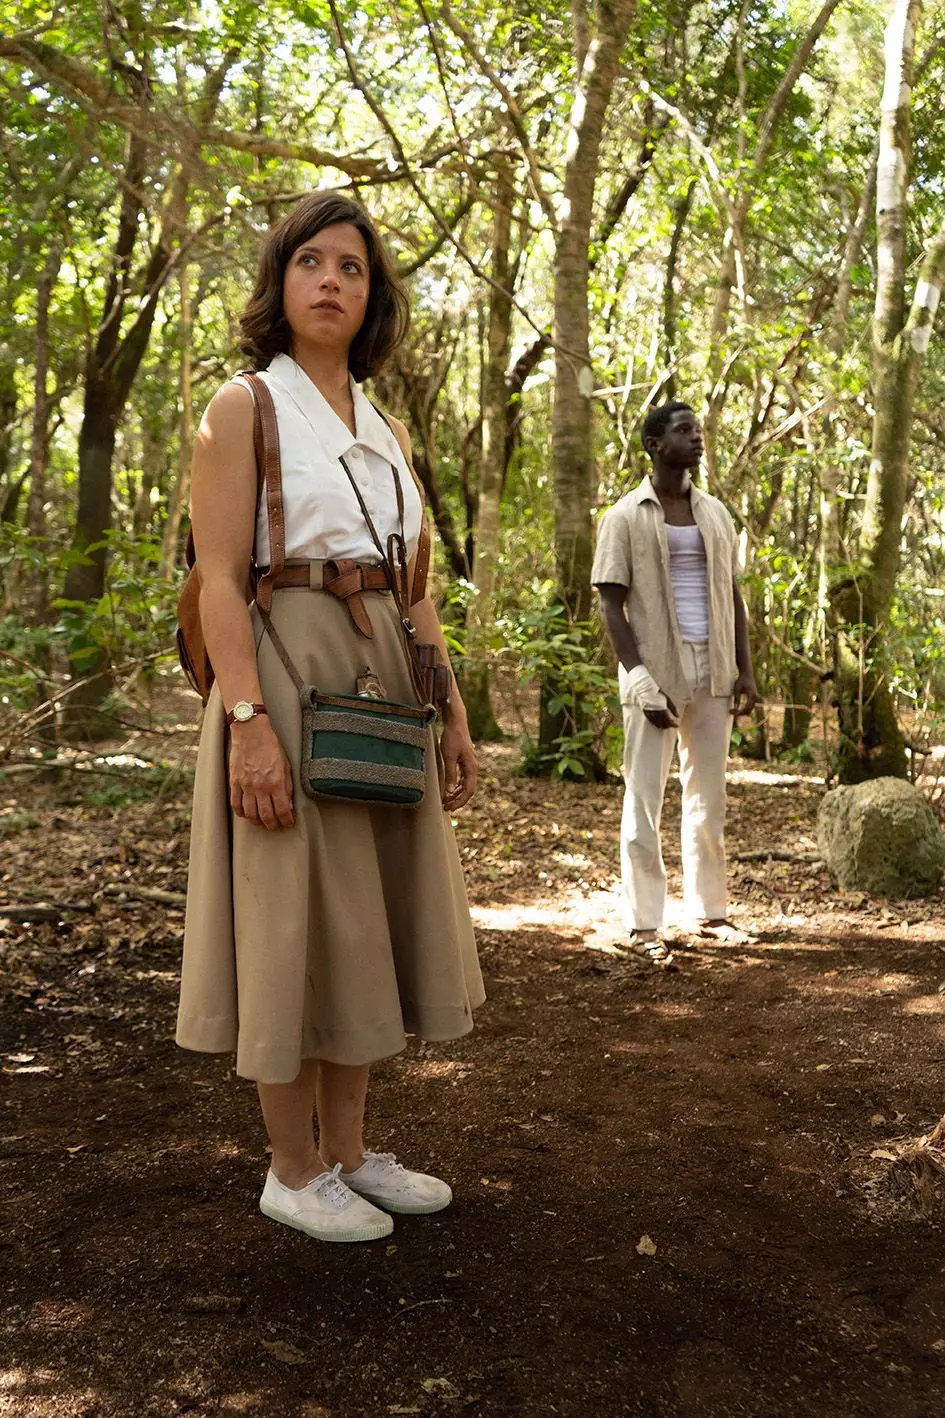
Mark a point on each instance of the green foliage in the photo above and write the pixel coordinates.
(792, 404)
(131, 625)
(550, 648)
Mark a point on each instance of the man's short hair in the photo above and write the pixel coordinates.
(656, 421)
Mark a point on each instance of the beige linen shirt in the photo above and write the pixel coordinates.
(632, 551)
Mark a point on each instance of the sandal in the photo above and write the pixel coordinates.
(723, 932)
(652, 948)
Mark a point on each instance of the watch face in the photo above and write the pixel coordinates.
(243, 711)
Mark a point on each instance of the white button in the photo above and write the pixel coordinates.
(356, 452)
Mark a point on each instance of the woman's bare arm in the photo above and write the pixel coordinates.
(223, 510)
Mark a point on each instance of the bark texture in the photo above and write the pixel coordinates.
(871, 740)
(114, 358)
(572, 421)
(476, 675)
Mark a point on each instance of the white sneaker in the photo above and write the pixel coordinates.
(325, 1209)
(383, 1180)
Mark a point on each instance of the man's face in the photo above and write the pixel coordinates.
(681, 445)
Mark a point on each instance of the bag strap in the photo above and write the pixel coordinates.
(394, 561)
(268, 472)
(424, 546)
(280, 649)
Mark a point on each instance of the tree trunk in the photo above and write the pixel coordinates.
(671, 353)
(111, 369)
(479, 620)
(9, 493)
(802, 689)
(732, 272)
(180, 492)
(39, 435)
(871, 741)
(572, 423)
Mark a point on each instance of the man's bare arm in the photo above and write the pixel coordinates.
(746, 691)
(620, 631)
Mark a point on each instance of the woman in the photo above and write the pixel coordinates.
(318, 934)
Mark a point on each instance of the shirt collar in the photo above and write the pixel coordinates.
(645, 492)
(333, 433)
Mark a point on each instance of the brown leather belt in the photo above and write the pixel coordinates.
(343, 579)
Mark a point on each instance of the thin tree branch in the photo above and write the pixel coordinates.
(441, 73)
(436, 245)
(772, 114)
(49, 61)
(511, 106)
(364, 88)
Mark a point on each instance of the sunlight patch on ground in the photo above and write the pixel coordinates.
(767, 778)
(925, 1004)
(597, 916)
(436, 1068)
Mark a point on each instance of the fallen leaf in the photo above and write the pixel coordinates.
(877, 1120)
(403, 1408)
(883, 1154)
(939, 1344)
(441, 1386)
(284, 1352)
(646, 1246)
(79, 1147)
(821, 1068)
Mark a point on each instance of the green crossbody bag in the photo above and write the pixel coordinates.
(359, 749)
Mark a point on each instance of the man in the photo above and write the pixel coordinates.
(665, 569)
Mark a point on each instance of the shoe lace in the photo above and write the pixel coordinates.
(330, 1186)
(388, 1159)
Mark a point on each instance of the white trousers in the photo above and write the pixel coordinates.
(705, 728)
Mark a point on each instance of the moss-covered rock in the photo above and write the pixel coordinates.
(881, 837)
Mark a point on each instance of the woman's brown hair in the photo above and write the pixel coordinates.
(264, 331)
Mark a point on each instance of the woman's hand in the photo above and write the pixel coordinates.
(459, 761)
(260, 776)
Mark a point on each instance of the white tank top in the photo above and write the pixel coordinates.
(689, 573)
(323, 520)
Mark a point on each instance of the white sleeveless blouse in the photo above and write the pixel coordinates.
(323, 520)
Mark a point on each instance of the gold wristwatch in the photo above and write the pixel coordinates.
(243, 711)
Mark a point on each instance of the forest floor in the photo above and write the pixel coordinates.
(677, 1190)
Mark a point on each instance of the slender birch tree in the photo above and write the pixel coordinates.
(871, 740)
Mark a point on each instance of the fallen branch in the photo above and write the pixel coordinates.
(43, 910)
(776, 855)
(145, 893)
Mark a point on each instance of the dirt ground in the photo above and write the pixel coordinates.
(666, 1202)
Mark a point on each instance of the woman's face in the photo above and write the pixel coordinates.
(326, 287)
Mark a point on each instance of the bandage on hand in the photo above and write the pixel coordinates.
(644, 691)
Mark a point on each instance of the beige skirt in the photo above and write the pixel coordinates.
(337, 937)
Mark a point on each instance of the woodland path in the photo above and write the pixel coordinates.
(725, 1110)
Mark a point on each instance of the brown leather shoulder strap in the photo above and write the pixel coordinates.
(269, 472)
(424, 546)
